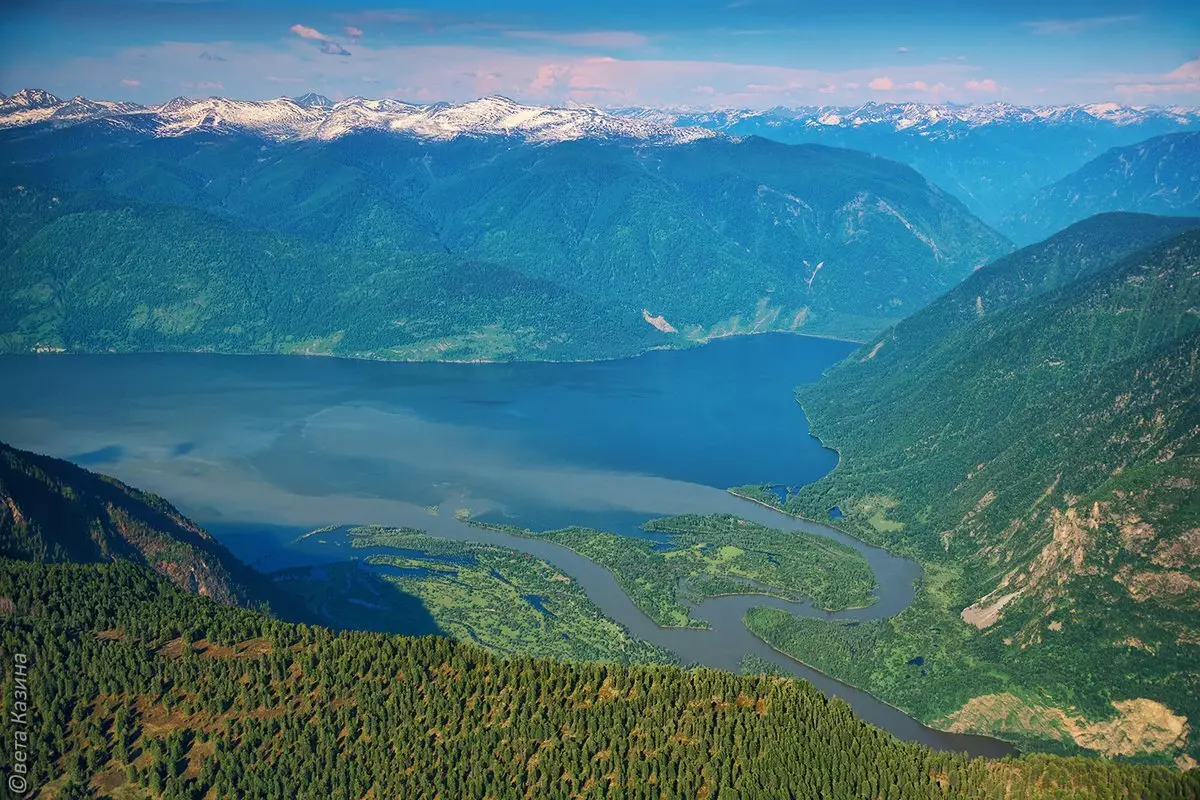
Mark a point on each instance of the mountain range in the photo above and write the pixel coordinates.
(474, 247)
(993, 157)
(313, 116)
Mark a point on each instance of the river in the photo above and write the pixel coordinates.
(262, 448)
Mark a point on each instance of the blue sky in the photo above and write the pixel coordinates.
(745, 53)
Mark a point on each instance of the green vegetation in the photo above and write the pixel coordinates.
(1032, 438)
(504, 600)
(52, 510)
(400, 249)
(757, 665)
(141, 690)
(717, 554)
(135, 688)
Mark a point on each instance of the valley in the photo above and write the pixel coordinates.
(584, 446)
(265, 449)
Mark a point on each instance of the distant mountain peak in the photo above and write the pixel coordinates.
(313, 100)
(34, 98)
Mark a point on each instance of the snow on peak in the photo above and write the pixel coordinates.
(313, 116)
(33, 98)
(937, 119)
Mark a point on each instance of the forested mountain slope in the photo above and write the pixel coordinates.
(1042, 460)
(53, 511)
(390, 247)
(141, 688)
(1157, 176)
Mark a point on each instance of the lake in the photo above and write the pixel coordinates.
(262, 448)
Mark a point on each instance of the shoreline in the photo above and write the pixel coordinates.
(383, 360)
(908, 714)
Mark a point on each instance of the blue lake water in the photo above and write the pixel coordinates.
(260, 449)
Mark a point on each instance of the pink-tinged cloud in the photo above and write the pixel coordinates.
(936, 89)
(987, 86)
(353, 31)
(305, 32)
(130, 82)
(882, 84)
(459, 72)
(613, 39)
(1184, 79)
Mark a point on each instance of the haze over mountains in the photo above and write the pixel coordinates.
(1156, 176)
(990, 156)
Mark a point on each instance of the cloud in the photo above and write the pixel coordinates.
(204, 85)
(1061, 27)
(935, 89)
(435, 71)
(305, 32)
(130, 82)
(207, 56)
(351, 30)
(614, 39)
(901, 49)
(828, 88)
(328, 45)
(1184, 79)
(987, 85)
(882, 84)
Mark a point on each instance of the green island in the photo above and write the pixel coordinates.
(715, 554)
(503, 600)
(1048, 487)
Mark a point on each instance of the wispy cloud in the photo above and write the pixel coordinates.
(614, 39)
(902, 50)
(355, 33)
(130, 82)
(985, 86)
(1184, 79)
(215, 85)
(882, 84)
(328, 45)
(1060, 27)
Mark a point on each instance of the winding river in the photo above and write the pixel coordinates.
(261, 449)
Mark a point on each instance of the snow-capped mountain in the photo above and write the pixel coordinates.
(926, 119)
(990, 156)
(314, 116)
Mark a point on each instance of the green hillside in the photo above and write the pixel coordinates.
(1040, 457)
(52, 511)
(138, 689)
(385, 247)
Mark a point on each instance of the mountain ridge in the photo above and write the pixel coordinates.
(312, 116)
(1039, 458)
